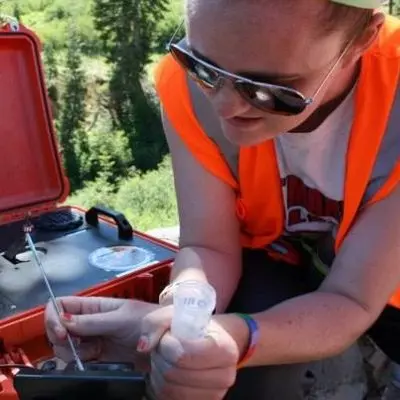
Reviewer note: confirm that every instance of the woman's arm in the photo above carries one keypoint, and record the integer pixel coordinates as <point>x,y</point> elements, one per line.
<point>324,323</point>
<point>209,230</point>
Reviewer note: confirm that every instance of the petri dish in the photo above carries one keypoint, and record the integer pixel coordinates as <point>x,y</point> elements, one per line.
<point>120,258</point>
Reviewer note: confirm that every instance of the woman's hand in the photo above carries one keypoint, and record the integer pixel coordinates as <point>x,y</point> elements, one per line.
<point>197,370</point>
<point>105,329</point>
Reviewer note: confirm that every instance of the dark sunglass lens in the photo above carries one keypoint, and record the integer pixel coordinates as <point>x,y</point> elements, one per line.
<point>206,75</point>
<point>278,100</point>
<point>289,101</point>
<point>200,72</point>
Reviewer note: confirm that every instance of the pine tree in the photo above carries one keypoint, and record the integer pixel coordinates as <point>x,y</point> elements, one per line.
<point>51,70</point>
<point>128,29</point>
<point>17,12</point>
<point>72,137</point>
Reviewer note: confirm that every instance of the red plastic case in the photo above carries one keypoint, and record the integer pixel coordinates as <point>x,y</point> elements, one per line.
<point>32,181</point>
<point>32,178</point>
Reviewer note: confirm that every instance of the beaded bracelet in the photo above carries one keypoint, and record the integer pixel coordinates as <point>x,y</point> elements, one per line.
<point>253,338</point>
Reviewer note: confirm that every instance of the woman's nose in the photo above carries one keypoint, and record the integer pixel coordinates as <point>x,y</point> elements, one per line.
<point>228,103</point>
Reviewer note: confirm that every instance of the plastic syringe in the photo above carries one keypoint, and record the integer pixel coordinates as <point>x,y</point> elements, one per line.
<point>194,303</point>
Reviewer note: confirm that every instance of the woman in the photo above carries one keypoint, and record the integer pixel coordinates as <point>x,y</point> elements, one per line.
<point>281,118</point>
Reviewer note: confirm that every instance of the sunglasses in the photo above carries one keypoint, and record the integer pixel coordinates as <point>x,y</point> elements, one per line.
<point>264,96</point>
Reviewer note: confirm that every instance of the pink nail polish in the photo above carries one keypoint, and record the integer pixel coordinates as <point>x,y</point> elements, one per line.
<point>143,344</point>
<point>67,317</point>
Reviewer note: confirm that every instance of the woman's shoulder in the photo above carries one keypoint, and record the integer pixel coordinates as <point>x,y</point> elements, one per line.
<point>388,41</point>
<point>167,72</point>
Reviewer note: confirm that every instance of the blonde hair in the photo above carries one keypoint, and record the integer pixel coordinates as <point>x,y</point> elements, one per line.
<point>333,17</point>
<point>353,19</point>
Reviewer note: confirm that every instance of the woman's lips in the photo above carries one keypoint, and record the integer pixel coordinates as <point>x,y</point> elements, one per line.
<point>245,123</point>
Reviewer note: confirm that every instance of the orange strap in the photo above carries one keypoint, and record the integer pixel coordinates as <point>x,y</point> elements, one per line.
<point>171,86</point>
<point>376,91</point>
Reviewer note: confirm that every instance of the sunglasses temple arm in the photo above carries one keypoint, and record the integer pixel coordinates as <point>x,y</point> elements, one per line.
<point>174,35</point>
<point>321,86</point>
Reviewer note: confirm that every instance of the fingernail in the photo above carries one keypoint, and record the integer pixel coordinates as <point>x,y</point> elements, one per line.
<point>61,333</point>
<point>66,317</point>
<point>143,344</point>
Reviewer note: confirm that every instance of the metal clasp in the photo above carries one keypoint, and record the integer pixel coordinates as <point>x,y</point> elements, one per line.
<point>10,21</point>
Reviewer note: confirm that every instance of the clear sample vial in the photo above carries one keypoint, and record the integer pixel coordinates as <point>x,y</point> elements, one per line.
<point>194,303</point>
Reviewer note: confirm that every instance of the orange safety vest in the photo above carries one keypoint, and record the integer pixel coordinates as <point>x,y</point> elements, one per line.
<point>373,156</point>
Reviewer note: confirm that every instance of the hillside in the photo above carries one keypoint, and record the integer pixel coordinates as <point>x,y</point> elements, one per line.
<point>109,159</point>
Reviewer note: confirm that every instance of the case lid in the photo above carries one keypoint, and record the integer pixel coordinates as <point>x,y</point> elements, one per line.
<point>31,174</point>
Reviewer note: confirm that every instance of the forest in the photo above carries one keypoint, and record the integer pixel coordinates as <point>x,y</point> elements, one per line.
<point>98,57</point>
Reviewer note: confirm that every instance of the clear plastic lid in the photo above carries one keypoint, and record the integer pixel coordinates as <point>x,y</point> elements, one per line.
<point>120,258</point>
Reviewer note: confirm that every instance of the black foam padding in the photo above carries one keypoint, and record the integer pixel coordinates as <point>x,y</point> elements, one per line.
<point>104,381</point>
<point>63,220</point>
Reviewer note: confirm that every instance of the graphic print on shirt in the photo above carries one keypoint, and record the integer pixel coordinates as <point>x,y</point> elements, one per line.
<point>312,167</point>
<point>307,209</point>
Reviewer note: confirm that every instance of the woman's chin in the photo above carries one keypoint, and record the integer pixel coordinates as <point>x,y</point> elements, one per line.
<point>246,137</point>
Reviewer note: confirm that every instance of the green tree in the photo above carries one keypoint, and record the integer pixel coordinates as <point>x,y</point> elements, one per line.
<point>52,75</point>
<point>109,156</point>
<point>50,63</point>
<point>72,136</point>
<point>17,12</point>
<point>127,29</point>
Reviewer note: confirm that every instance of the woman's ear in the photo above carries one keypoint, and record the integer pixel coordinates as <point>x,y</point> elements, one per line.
<point>368,37</point>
